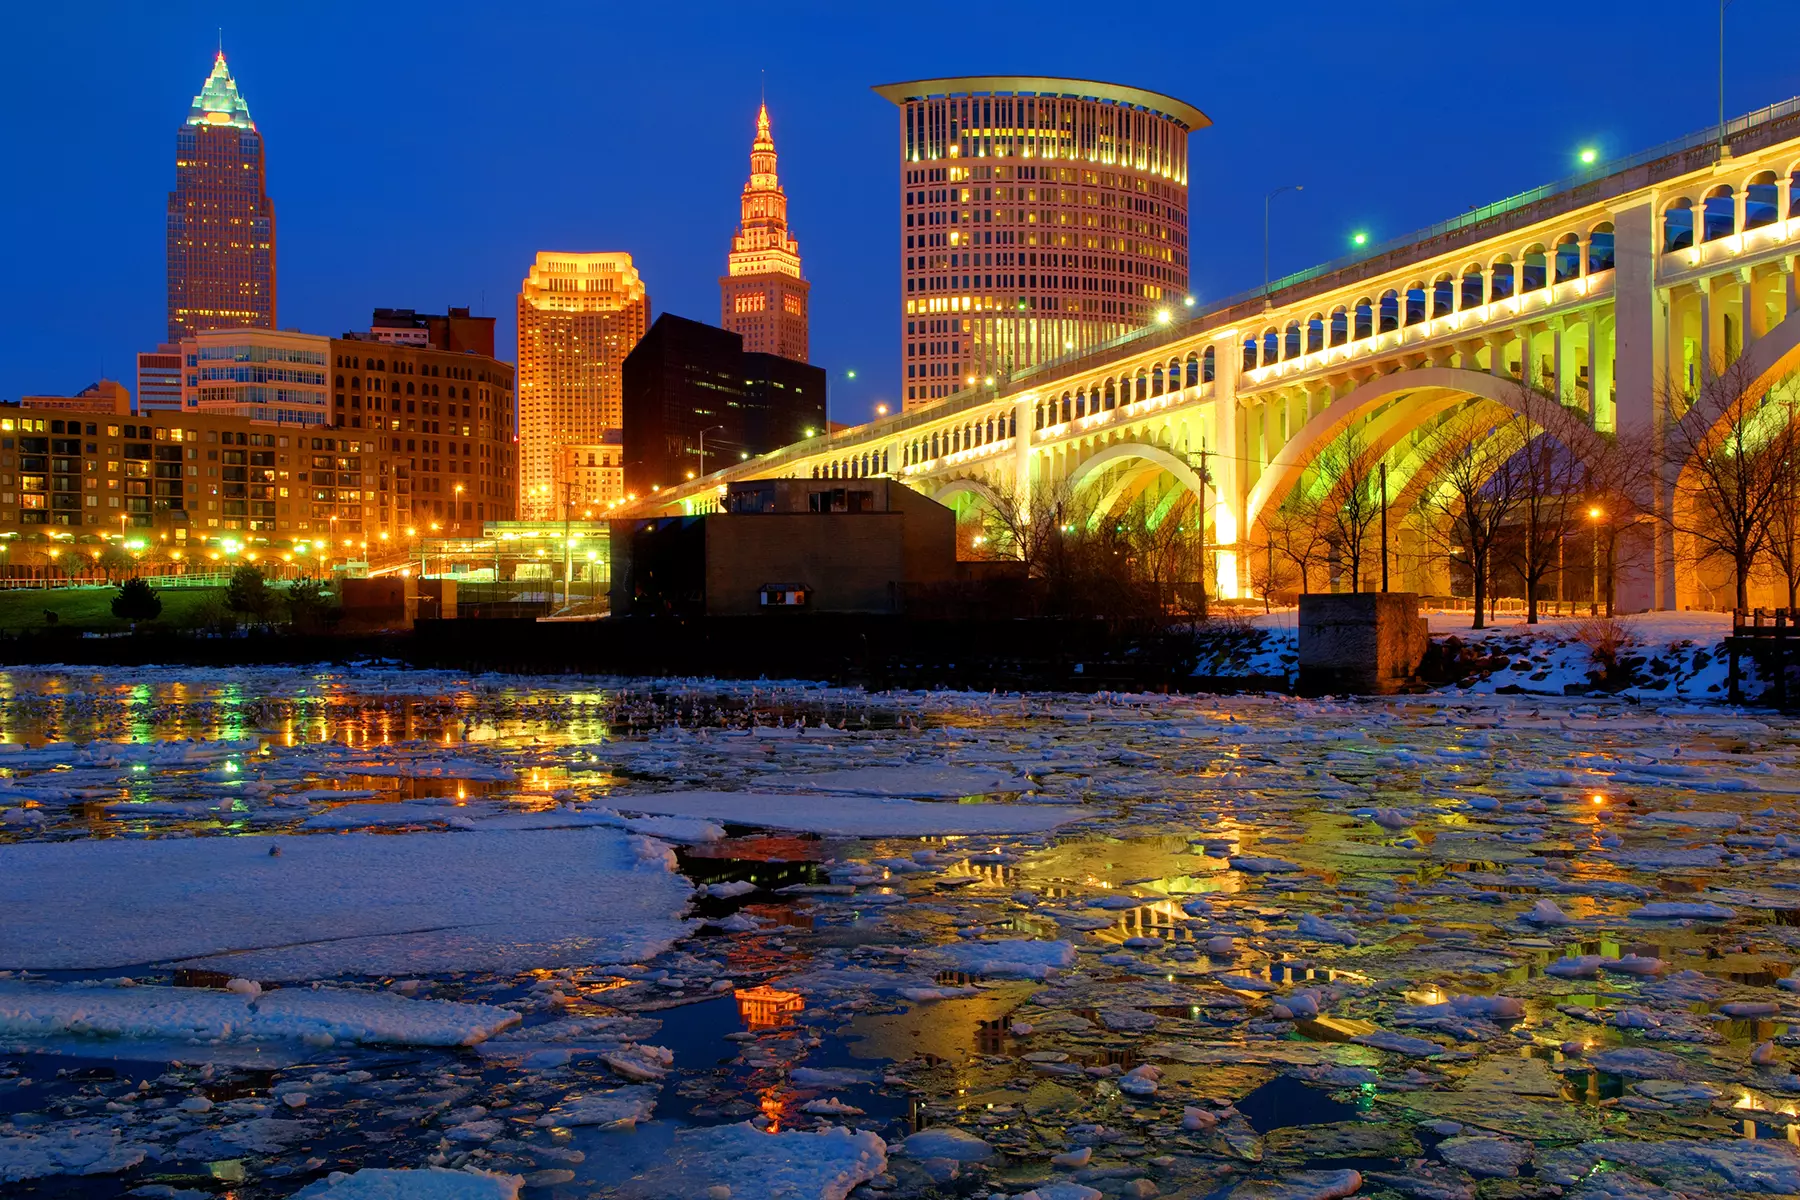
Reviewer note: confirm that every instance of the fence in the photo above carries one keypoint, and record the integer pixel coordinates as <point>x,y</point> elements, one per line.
<point>212,579</point>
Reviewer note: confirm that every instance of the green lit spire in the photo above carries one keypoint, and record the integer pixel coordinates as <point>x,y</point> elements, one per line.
<point>218,102</point>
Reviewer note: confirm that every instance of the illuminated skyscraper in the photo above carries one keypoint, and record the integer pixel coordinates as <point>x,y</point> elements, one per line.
<point>579,316</point>
<point>1039,217</point>
<point>221,251</point>
<point>762,295</point>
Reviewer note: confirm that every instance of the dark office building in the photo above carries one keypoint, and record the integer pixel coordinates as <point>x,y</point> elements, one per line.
<point>685,378</point>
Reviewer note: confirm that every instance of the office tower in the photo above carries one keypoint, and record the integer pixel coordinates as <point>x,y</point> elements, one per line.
<point>696,401</point>
<point>762,296</point>
<point>1039,217</point>
<point>579,316</point>
<point>221,225</point>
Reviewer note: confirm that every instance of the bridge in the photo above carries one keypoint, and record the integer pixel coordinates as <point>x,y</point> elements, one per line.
<point>1601,290</point>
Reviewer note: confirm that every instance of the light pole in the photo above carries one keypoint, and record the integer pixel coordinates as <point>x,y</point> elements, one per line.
<point>703,434</point>
<point>457,524</point>
<point>1594,515</point>
<point>1723,5</point>
<point>1268,200</point>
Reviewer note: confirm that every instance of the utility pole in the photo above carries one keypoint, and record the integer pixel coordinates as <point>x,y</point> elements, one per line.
<point>568,541</point>
<point>1384,540</point>
<point>1205,481</point>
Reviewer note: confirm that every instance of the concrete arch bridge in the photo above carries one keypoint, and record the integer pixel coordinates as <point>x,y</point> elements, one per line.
<point>1602,291</point>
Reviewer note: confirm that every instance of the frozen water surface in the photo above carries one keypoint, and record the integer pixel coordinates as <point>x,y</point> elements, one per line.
<point>369,932</point>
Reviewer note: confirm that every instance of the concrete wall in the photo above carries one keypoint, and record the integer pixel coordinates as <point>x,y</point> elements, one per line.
<point>851,562</point>
<point>1360,642</point>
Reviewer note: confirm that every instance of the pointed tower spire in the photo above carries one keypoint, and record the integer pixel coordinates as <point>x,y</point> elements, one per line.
<point>764,294</point>
<point>218,102</point>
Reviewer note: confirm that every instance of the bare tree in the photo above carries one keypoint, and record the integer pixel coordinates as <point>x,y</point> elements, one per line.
<point>1351,505</point>
<point>1473,486</point>
<point>1728,448</point>
<point>1296,531</point>
<point>1551,470</point>
<point>1784,526</point>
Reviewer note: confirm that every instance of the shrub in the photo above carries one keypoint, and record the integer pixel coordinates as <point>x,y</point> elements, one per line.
<point>308,603</point>
<point>1607,640</point>
<point>248,593</point>
<point>136,601</point>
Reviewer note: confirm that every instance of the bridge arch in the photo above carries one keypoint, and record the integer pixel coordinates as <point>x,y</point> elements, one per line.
<point>1149,458</point>
<point>1431,390</point>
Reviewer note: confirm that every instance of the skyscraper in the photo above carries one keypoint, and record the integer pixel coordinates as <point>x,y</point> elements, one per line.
<point>762,295</point>
<point>579,316</point>
<point>221,234</point>
<point>1039,217</point>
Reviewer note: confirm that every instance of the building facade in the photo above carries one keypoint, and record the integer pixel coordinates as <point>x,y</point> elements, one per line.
<point>690,386</point>
<point>579,316</point>
<point>221,224</point>
<point>183,483</point>
<point>158,380</point>
<point>105,396</point>
<point>594,470</point>
<point>763,297</point>
<point>270,375</point>
<point>1039,217</point>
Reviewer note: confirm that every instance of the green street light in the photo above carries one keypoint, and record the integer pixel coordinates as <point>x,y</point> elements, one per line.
<point>1589,157</point>
<point>851,374</point>
<point>1359,239</point>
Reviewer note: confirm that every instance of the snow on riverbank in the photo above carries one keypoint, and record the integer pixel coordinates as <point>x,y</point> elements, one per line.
<point>353,904</point>
<point>1673,655</point>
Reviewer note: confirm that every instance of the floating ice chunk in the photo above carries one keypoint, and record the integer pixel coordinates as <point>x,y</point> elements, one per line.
<point>1749,1008</point>
<point>1637,1062</point>
<point>1015,958</point>
<point>1140,1080</point>
<point>70,1148</point>
<point>1692,819</point>
<point>1398,1043</point>
<point>640,1062</point>
<point>1073,1158</point>
<point>355,904</point>
<point>1547,913</point>
<point>1198,907</point>
<point>1679,910</point>
<point>947,1141</point>
<point>831,1106</point>
<point>427,1183</point>
<point>1391,818</point>
<point>1762,1167</point>
<point>829,1077</point>
<point>1061,1191</point>
<point>924,994</point>
<point>730,890</point>
<point>321,1015</point>
<point>1321,930</point>
<point>1485,1157</point>
<point>851,815</point>
<point>1196,1120</point>
<point>1298,1185</point>
<point>1264,866</point>
<point>620,1108</point>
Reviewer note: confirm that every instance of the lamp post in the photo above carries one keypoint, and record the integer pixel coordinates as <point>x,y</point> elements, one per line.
<point>703,434</point>
<point>1594,515</point>
<point>1268,200</point>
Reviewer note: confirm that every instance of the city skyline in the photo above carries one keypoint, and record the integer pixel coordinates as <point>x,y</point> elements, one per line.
<point>368,232</point>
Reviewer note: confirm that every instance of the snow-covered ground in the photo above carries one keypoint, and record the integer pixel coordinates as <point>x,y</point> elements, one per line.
<point>369,933</point>
<point>1671,655</point>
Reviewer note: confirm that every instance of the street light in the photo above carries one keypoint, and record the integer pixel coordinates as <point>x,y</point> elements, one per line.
<point>1267,200</point>
<point>1594,515</point>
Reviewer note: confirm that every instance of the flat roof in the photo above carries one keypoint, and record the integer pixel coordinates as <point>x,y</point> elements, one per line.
<point>1046,85</point>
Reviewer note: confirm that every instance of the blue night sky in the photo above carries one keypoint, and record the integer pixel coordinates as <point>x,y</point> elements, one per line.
<point>420,155</point>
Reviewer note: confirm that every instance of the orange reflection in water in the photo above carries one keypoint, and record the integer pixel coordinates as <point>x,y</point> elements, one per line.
<point>765,1007</point>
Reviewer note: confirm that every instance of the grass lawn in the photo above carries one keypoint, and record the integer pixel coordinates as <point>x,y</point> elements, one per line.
<point>91,607</point>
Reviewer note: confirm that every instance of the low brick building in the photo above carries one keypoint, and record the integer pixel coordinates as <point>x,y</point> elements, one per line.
<point>786,546</point>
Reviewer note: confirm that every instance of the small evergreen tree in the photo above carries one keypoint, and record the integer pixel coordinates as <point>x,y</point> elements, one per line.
<point>308,602</point>
<point>136,601</point>
<point>248,593</point>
